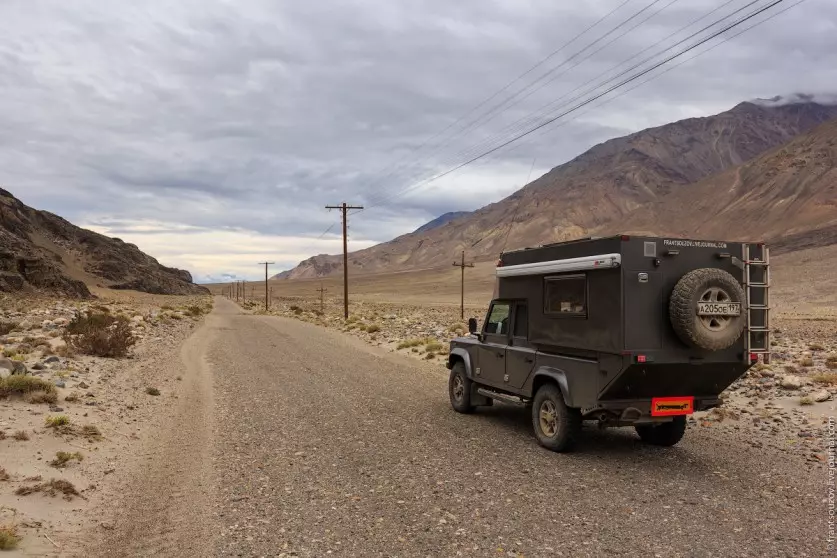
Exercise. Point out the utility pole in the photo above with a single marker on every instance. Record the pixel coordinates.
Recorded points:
(266, 297)
(462, 265)
(344, 208)
(243, 291)
(322, 291)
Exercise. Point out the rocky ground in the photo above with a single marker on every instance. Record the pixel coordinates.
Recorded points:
(783, 405)
(61, 442)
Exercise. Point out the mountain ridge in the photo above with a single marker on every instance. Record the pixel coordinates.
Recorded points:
(594, 189)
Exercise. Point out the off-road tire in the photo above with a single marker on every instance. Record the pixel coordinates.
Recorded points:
(567, 428)
(665, 434)
(683, 309)
(460, 401)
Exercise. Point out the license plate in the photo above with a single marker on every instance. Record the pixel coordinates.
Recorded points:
(719, 308)
(667, 406)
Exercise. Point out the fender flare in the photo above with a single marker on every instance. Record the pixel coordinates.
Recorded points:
(461, 354)
(557, 376)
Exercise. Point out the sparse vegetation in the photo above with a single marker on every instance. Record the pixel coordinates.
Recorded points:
(72, 397)
(152, 391)
(22, 385)
(373, 328)
(411, 343)
(9, 538)
(9, 352)
(7, 327)
(4, 476)
(51, 488)
(56, 421)
(806, 362)
(829, 379)
(791, 369)
(63, 458)
(90, 431)
(816, 347)
(194, 311)
(2, 434)
(433, 347)
(36, 397)
(21, 436)
(100, 335)
(805, 401)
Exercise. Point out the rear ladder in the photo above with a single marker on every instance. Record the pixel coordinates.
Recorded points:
(756, 258)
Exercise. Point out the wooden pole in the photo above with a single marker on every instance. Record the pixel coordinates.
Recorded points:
(462, 265)
(266, 297)
(344, 208)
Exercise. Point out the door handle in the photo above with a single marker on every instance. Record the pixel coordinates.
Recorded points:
(500, 355)
(529, 360)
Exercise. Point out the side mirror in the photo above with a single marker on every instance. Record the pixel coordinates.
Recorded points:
(472, 325)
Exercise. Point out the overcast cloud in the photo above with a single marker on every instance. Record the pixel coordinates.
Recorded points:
(211, 133)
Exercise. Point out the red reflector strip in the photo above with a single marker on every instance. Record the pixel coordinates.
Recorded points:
(670, 406)
(640, 358)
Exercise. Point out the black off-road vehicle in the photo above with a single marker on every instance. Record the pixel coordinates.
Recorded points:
(624, 330)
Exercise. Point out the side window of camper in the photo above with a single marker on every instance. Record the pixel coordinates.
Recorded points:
(565, 295)
(498, 320)
(521, 321)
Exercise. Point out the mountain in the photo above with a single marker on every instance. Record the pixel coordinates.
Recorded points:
(597, 189)
(441, 220)
(41, 251)
(787, 196)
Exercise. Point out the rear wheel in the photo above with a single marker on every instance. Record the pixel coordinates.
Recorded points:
(459, 389)
(557, 427)
(665, 434)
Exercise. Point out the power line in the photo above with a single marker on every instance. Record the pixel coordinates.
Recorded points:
(595, 97)
(501, 90)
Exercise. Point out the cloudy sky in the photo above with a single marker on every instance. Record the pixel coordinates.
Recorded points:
(212, 133)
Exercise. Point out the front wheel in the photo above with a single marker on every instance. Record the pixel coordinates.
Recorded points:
(665, 434)
(557, 427)
(459, 389)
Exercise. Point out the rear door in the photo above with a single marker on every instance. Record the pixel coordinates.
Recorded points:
(520, 355)
(492, 350)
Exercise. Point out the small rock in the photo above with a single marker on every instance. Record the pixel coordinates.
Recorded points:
(52, 359)
(55, 409)
(38, 366)
(82, 385)
(821, 396)
(60, 384)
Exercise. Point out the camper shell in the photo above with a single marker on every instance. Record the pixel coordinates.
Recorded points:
(631, 330)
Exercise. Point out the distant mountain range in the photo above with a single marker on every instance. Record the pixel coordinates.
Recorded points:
(763, 169)
(41, 252)
(441, 220)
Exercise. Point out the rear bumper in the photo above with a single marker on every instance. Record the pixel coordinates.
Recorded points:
(638, 411)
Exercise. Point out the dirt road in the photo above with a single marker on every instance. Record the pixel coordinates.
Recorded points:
(309, 443)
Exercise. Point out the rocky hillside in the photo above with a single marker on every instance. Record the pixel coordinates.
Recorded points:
(601, 187)
(43, 252)
(441, 220)
(787, 196)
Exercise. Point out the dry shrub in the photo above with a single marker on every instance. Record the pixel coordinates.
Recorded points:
(826, 379)
(374, 328)
(816, 347)
(7, 327)
(4, 476)
(9, 538)
(56, 421)
(73, 397)
(36, 397)
(63, 458)
(2, 434)
(21, 436)
(806, 362)
(51, 488)
(23, 385)
(90, 431)
(100, 335)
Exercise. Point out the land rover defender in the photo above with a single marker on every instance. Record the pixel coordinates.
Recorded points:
(623, 330)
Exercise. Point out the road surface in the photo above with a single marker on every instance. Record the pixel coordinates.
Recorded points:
(295, 440)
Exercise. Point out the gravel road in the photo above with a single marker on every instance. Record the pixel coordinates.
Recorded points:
(325, 446)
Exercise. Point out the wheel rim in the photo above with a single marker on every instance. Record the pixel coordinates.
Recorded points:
(548, 418)
(715, 323)
(458, 388)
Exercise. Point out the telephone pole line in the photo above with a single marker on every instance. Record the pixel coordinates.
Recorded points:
(322, 291)
(266, 293)
(243, 291)
(344, 208)
(462, 265)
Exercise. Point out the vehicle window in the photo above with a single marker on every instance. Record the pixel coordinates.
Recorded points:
(566, 295)
(521, 321)
(498, 320)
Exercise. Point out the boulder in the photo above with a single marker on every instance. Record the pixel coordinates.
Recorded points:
(821, 396)
(791, 382)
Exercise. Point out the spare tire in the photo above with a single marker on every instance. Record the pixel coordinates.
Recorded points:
(711, 331)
